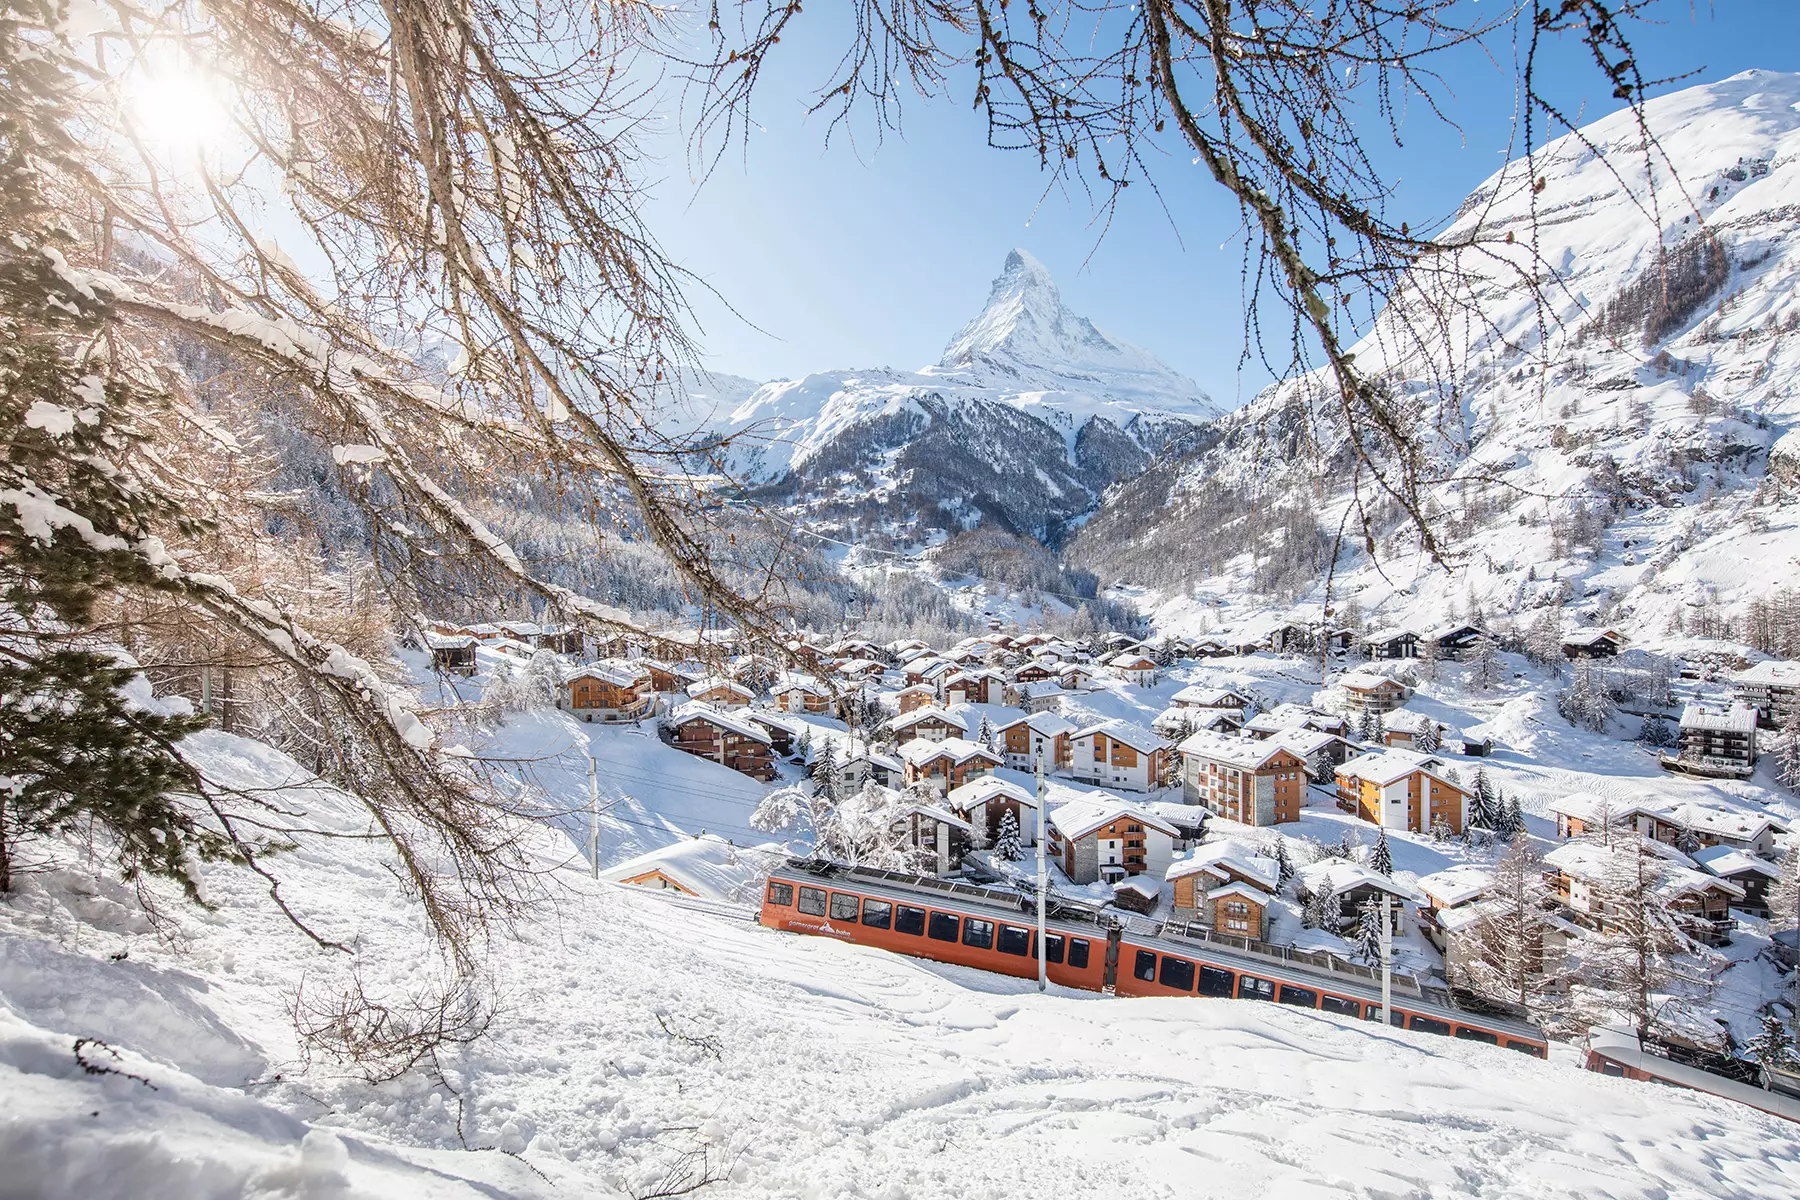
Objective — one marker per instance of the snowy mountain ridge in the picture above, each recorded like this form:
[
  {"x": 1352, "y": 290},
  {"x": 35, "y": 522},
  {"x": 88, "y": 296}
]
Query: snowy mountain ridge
[
  {"x": 1039, "y": 410},
  {"x": 1622, "y": 444}
]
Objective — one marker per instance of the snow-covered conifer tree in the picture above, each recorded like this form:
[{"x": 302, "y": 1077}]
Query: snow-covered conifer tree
[
  {"x": 1284, "y": 864},
  {"x": 1007, "y": 844},
  {"x": 1381, "y": 858},
  {"x": 1428, "y": 739},
  {"x": 1367, "y": 938},
  {"x": 1320, "y": 908},
  {"x": 1773, "y": 1045}
]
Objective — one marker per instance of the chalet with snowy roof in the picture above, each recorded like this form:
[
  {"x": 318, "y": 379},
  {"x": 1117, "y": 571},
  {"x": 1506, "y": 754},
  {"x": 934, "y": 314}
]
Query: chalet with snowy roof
[
  {"x": 670, "y": 678},
  {"x": 977, "y": 686},
  {"x": 730, "y": 739},
  {"x": 784, "y": 732},
  {"x": 452, "y": 652},
  {"x": 1035, "y": 672},
  {"x": 1210, "y": 647},
  {"x": 1043, "y": 696},
  {"x": 1754, "y": 875},
  {"x": 1719, "y": 742},
  {"x": 916, "y": 696},
  {"x": 720, "y": 692},
  {"x": 1692, "y": 825},
  {"x": 945, "y": 765},
  {"x": 610, "y": 690},
  {"x": 1451, "y": 888},
  {"x": 1454, "y": 641},
  {"x": 937, "y": 837},
  {"x": 914, "y": 652},
  {"x": 1581, "y": 814},
  {"x": 707, "y": 866},
  {"x": 1118, "y": 642},
  {"x": 1040, "y": 735},
  {"x": 1243, "y": 780},
  {"x": 928, "y": 670},
  {"x": 1133, "y": 667},
  {"x": 1593, "y": 643},
  {"x": 1408, "y": 730},
  {"x": 1401, "y": 789},
  {"x": 544, "y": 637},
  {"x": 1099, "y": 837},
  {"x": 1197, "y": 695},
  {"x": 858, "y": 669},
  {"x": 1316, "y": 748},
  {"x": 1072, "y": 677},
  {"x": 933, "y": 723},
  {"x": 862, "y": 765},
  {"x": 1392, "y": 643},
  {"x": 1195, "y": 877},
  {"x": 1771, "y": 688},
  {"x": 1284, "y": 717},
  {"x": 800, "y": 693},
  {"x": 1473, "y": 743},
  {"x": 1352, "y": 885},
  {"x": 1581, "y": 874},
  {"x": 984, "y": 803},
  {"x": 1372, "y": 691},
  {"x": 1118, "y": 754},
  {"x": 854, "y": 648},
  {"x": 484, "y": 632}
]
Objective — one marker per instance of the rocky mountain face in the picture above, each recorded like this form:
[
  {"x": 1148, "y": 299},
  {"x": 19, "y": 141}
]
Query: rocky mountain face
[
  {"x": 1603, "y": 443},
  {"x": 1031, "y": 413}
]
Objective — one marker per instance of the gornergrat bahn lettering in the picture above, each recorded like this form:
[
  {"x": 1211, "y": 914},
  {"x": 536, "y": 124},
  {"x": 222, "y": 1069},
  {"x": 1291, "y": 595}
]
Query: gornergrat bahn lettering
[{"x": 990, "y": 930}]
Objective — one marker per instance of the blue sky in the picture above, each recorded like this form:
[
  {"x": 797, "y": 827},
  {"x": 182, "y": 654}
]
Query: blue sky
[{"x": 858, "y": 255}]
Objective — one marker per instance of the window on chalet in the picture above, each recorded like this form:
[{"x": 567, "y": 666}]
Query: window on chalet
[
  {"x": 877, "y": 914},
  {"x": 781, "y": 894},
  {"x": 812, "y": 901}
]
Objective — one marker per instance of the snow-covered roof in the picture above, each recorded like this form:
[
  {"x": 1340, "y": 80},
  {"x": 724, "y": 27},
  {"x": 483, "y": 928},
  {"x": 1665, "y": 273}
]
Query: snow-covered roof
[
  {"x": 805, "y": 684},
  {"x": 1132, "y": 660},
  {"x": 1728, "y": 861},
  {"x": 1135, "y": 736},
  {"x": 1249, "y": 754},
  {"x": 1456, "y": 885},
  {"x": 1774, "y": 672},
  {"x": 1730, "y": 823},
  {"x": 936, "y": 814},
  {"x": 979, "y": 791},
  {"x": 1389, "y": 634},
  {"x": 1382, "y": 767},
  {"x": 1305, "y": 742},
  {"x": 1404, "y": 720},
  {"x": 701, "y": 687},
  {"x": 1046, "y": 724},
  {"x": 928, "y": 712},
  {"x": 615, "y": 671},
  {"x": 1238, "y": 887},
  {"x": 707, "y": 866},
  {"x": 1282, "y": 716},
  {"x": 1077, "y": 818},
  {"x": 445, "y": 641},
  {"x": 1590, "y": 863},
  {"x": 1038, "y": 688},
  {"x": 886, "y": 762},
  {"x": 1592, "y": 637},
  {"x": 1210, "y": 697},
  {"x": 1143, "y": 885},
  {"x": 1344, "y": 875},
  {"x": 1218, "y": 857},
  {"x": 920, "y": 751},
  {"x": 738, "y": 723},
  {"x": 1368, "y": 679},
  {"x": 1739, "y": 718},
  {"x": 1588, "y": 807}
]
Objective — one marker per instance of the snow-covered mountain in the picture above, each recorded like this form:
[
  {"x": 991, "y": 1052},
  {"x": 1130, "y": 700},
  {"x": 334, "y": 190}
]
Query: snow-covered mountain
[
  {"x": 1030, "y": 414},
  {"x": 1610, "y": 451}
]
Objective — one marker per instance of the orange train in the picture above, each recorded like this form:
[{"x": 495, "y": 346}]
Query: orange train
[{"x": 995, "y": 930}]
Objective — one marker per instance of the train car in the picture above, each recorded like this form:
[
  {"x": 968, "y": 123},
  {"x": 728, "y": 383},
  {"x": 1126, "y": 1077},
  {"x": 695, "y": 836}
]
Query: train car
[
  {"x": 995, "y": 930},
  {"x": 1162, "y": 966},
  {"x": 1620, "y": 1053},
  {"x": 931, "y": 918}
]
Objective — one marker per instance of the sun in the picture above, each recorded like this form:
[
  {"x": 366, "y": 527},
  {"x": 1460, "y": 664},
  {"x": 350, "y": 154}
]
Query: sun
[{"x": 176, "y": 111}]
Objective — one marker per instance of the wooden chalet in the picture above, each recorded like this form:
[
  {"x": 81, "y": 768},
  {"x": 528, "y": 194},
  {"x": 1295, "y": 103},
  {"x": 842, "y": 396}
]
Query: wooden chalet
[
  {"x": 984, "y": 803},
  {"x": 1044, "y": 735},
  {"x": 945, "y": 765},
  {"x": 719, "y": 692},
  {"x": 730, "y": 739},
  {"x": 1118, "y": 754},
  {"x": 1593, "y": 643},
  {"x": 610, "y": 690},
  {"x": 1101, "y": 837},
  {"x": 451, "y": 652},
  {"x": 1401, "y": 789},
  {"x": 930, "y": 722}
]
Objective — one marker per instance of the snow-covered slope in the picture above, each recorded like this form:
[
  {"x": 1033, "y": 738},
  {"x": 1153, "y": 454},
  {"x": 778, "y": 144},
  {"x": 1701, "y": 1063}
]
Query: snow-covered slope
[
  {"x": 1672, "y": 337},
  {"x": 1037, "y": 409},
  {"x": 637, "y": 1036}
]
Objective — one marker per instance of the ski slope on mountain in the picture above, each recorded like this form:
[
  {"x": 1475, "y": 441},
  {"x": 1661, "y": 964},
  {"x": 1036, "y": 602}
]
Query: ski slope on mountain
[{"x": 636, "y": 1035}]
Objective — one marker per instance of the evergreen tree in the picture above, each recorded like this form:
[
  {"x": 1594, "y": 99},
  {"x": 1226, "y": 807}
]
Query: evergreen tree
[
  {"x": 1284, "y": 864},
  {"x": 1007, "y": 844},
  {"x": 986, "y": 733},
  {"x": 1382, "y": 857},
  {"x": 1787, "y": 753},
  {"x": 1346, "y": 846},
  {"x": 1428, "y": 739},
  {"x": 1656, "y": 732},
  {"x": 1486, "y": 809},
  {"x": 1514, "y": 824},
  {"x": 824, "y": 773},
  {"x": 1320, "y": 908},
  {"x": 1773, "y": 1046},
  {"x": 1367, "y": 939},
  {"x": 803, "y": 744}
]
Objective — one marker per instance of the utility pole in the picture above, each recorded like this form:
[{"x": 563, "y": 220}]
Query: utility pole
[
  {"x": 593, "y": 816},
  {"x": 1387, "y": 958},
  {"x": 1043, "y": 880}
]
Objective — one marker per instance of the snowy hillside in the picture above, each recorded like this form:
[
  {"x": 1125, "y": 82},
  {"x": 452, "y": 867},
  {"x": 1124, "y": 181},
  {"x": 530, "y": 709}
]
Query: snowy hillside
[
  {"x": 637, "y": 1038},
  {"x": 1030, "y": 415},
  {"x": 1629, "y": 475}
]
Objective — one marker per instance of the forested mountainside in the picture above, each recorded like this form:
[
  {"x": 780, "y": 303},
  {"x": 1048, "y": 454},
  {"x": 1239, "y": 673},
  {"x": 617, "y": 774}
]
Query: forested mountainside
[
  {"x": 1612, "y": 447},
  {"x": 1029, "y": 416}
]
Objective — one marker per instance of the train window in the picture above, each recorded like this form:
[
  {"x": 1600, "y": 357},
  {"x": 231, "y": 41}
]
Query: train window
[
  {"x": 877, "y": 914},
  {"x": 1014, "y": 940},
  {"x": 1607, "y": 1066},
  {"x": 1053, "y": 947},
  {"x": 943, "y": 926},
  {"x": 1428, "y": 1024},
  {"x": 1299, "y": 997},
  {"x": 1341, "y": 1006},
  {"x": 844, "y": 907},
  {"x": 979, "y": 934},
  {"x": 812, "y": 901},
  {"x": 1145, "y": 966},
  {"x": 1477, "y": 1035},
  {"x": 781, "y": 894},
  {"x": 1396, "y": 1018},
  {"x": 1525, "y": 1048},
  {"x": 1078, "y": 957},
  {"x": 1215, "y": 981},
  {"x": 1177, "y": 973},
  {"x": 1252, "y": 988},
  {"x": 908, "y": 919}
]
